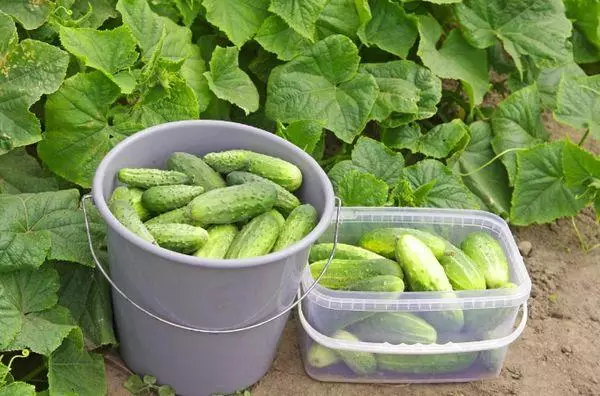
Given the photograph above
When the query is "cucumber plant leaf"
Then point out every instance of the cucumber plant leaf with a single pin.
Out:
(549, 79)
(586, 17)
(18, 388)
(93, 13)
(439, 142)
(341, 17)
(300, 15)
(578, 103)
(377, 159)
(277, 37)
(340, 169)
(21, 173)
(238, 19)
(30, 14)
(304, 134)
(581, 169)
(358, 188)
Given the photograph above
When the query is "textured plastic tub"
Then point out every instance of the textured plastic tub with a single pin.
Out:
(203, 293)
(475, 349)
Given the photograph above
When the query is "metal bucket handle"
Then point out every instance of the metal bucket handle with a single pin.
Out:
(210, 331)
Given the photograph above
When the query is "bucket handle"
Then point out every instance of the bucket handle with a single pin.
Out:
(200, 330)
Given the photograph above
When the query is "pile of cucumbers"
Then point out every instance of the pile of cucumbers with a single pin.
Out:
(227, 205)
(394, 260)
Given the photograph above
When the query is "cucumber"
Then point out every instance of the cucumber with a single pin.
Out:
(180, 238)
(228, 161)
(394, 328)
(361, 363)
(423, 271)
(134, 196)
(177, 216)
(320, 356)
(343, 273)
(146, 178)
(299, 224)
(383, 241)
(257, 237)
(199, 172)
(220, 238)
(487, 253)
(485, 320)
(445, 322)
(126, 214)
(160, 199)
(461, 271)
(426, 364)
(286, 174)
(379, 283)
(232, 204)
(285, 201)
(322, 251)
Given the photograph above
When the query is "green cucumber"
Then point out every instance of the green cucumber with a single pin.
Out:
(426, 364)
(461, 271)
(423, 271)
(228, 161)
(394, 328)
(146, 178)
(257, 237)
(445, 322)
(299, 224)
(200, 173)
(180, 238)
(286, 174)
(126, 214)
(177, 216)
(343, 273)
(383, 241)
(361, 363)
(232, 204)
(379, 283)
(285, 201)
(220, 238)
(484, 320)
(320, 356)
(134, 196)
(161, 199)
(488, 254)
(322, 251)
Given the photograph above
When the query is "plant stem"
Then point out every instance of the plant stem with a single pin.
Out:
(585, 135)
(492, 160)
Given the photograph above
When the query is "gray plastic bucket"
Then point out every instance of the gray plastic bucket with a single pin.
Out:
(201, 293)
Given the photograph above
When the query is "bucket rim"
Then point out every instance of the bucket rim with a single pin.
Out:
(97, 193)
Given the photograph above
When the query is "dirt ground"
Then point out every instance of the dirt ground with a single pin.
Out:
(557, 355)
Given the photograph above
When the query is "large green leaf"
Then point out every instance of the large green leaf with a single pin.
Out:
(146, 26)
(490, 183)
(436, 143)
(300, 15)
(339, 17)
(541, 194)
(110, 51)
(277, 37)
(304, 134)
(578, 103)
(582, 173)
(516, 123)
(390, 28)
(376, 158)
(17, 388)
(30, 13)
(229, 82)
(584, 51)
(340, 169)
(21, 173)
(362, 189)
(323, 84)
(238, 19)
(405, 88)
(101, 11)
(28, 70)
(586, 17)
(456, 59)
(549, 79)
(535, 28)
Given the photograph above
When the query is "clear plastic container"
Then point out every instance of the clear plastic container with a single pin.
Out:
(468, 332)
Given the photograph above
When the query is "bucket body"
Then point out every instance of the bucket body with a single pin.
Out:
(196, 292)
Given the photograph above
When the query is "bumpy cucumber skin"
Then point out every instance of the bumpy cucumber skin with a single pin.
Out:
(220, 238)
(232, 204)
(284, 173)
(423, 271)
(285, 202)
(342, 273)
(320, 356)
(379, 283)
(322, 251)
(200, 173)
(257, 237)
(395, 328)
(426, 364)
(161, 199)
(299, 224)
(124, 212)
(134, 196)
(228, 161)
(487, 253)
(383, 241)
(446, 322)
(361, 363)
(461, 271)
(146, 178)
(176, 216)
(180, 238)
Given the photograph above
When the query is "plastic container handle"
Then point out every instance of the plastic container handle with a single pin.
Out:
(414, 349)
(196, 329)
